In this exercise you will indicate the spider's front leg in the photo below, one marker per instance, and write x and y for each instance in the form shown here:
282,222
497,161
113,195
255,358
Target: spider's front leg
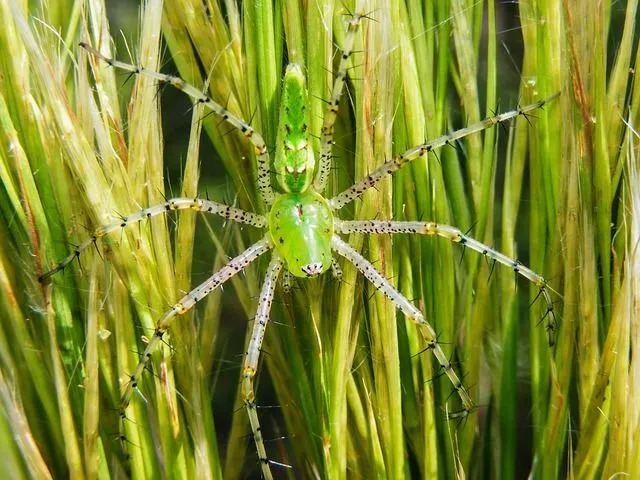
179,203
455,235
251,361
336,271
185,304
402,303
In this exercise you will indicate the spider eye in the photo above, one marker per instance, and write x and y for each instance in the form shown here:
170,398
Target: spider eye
288,146
301,169
289,169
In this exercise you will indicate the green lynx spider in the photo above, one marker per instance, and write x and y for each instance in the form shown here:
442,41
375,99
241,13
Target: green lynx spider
300,215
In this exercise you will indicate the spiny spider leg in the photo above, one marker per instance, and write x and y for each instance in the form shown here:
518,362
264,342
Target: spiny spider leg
324,166
286,281
401,302
185,304
197,204
336,271
399,161
374,227
253,355
260,147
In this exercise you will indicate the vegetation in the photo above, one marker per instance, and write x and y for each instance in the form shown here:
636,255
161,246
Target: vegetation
558,189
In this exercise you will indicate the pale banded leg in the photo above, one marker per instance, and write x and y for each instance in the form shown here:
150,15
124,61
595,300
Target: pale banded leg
185,304
456,236
324,166
403,159
197,204
286,281
260,148
251,360
401,302
336,271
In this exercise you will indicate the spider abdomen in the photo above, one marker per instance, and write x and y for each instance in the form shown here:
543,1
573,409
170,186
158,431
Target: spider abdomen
301,227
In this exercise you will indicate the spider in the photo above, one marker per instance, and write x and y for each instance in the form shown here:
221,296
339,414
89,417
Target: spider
302,227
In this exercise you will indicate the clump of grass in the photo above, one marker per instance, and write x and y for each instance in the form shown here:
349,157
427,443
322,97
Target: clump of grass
558,189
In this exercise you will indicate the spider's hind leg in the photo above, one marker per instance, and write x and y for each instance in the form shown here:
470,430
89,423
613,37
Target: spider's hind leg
326,139
254,137
397,162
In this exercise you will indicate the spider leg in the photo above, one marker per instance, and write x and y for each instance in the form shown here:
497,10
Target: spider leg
260,147
252,357
336,271
197,204
185,304
399,161
456,236
286,281
401,302
329,120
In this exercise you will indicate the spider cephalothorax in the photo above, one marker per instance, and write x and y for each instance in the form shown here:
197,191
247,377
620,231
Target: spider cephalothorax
301,227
